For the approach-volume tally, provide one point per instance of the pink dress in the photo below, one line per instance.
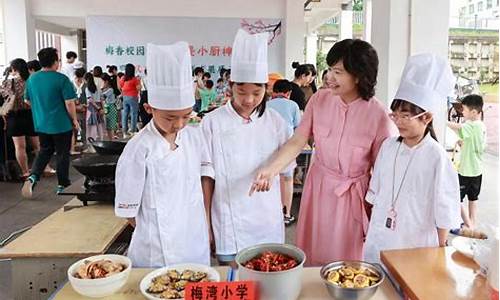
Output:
(332, 221)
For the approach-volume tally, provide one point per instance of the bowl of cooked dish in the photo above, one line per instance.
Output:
(100, 275)
(277, 269)
(353, 280)
(170, 282)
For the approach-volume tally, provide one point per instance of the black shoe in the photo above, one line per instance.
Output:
(289, 220)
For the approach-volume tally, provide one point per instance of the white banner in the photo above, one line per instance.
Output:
(121, 40)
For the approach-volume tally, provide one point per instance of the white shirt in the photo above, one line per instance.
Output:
(161, 189)
(68, 70)
(238, 148)
(429, 197)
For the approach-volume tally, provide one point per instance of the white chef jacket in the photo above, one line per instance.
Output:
(429, 197)
(238, 148)
(161, 188)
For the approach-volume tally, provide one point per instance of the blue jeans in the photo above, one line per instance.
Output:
(130, 106)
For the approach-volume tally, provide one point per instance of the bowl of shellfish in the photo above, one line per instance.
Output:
(100, 275)
(353, 280)
(170, 282)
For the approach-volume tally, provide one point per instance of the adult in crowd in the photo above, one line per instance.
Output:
(310, 88)
(51, 96)
(19, 122)
(303, 76)
(348, 125)
(34, 66)
(68, 67)
(130, 86)
(97, 73)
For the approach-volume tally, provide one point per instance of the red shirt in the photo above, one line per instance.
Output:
(129, 87)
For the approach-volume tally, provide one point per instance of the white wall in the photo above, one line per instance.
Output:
(291, 11)
(180, 8)
(19, 30)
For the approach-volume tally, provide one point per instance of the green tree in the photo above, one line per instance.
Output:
(321, 62)
(357, 5)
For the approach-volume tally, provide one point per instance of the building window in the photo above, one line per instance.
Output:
(480, 6)
(489, 4)
(471, 9)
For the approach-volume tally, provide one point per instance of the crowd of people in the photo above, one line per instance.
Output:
(368, 188)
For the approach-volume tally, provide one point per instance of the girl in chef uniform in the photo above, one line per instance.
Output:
(414, 188)
(158, 177)
(241, 136)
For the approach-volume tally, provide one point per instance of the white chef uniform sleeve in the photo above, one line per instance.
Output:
(207, 166)
(446, 194)
(130, 181)
(374, 187)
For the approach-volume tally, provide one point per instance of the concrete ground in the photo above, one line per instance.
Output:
(16, 213)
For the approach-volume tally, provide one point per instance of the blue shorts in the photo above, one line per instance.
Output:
(226, 257)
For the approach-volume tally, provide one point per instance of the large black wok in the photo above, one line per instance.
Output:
(96, 166)
(108, 147)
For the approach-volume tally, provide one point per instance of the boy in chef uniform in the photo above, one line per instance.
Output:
(158, 177)
(241, 136)
(414, 188)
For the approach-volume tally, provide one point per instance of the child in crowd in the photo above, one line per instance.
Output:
(110, 107)
(81, 111)
(95, 109)
(158, 177)
(290, 112)
(208, 95)
(220, 89)
(242, 135)
(414, 188)
(472, 136)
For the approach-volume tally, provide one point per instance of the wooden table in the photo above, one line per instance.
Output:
(312, 287)
(41, 256)
(436, 273)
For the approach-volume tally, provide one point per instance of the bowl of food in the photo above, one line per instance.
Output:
(353, 280)
(170, 282)
(277, 269)
(100, 275)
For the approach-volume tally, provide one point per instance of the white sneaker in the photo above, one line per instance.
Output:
(27, 190)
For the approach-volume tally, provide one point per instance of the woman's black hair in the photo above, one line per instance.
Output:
(97, 71)
(197, 71)
(105, 77)
(89, 78)
(261, 108)
(21, 67)
(324, 74)
(34, 65)
(111, 68)
(80, 72)
(6, 73)
(414, 110)
(304, 69)
(129, 72)
(359, 59)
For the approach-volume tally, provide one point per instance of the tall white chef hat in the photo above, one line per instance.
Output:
(427, 80)
(170, 84)
(249, 57)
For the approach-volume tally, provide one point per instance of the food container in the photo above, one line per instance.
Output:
(338, 292)
(282, 285)
(100, 287)
(213, 275)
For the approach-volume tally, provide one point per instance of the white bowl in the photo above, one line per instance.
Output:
(213, 275)
(100, 287)
(283, 285)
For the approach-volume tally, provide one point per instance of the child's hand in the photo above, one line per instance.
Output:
(460, 143)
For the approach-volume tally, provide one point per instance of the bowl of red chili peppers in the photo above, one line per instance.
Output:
(277, 269)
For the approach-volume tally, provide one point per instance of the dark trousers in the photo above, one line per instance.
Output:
(61, 144)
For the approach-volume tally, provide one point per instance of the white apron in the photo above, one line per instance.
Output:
(161, 188)
(238, 149)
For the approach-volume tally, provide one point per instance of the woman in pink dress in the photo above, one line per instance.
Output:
(348, 126)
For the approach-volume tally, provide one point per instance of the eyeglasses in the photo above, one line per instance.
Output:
(405, 118)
